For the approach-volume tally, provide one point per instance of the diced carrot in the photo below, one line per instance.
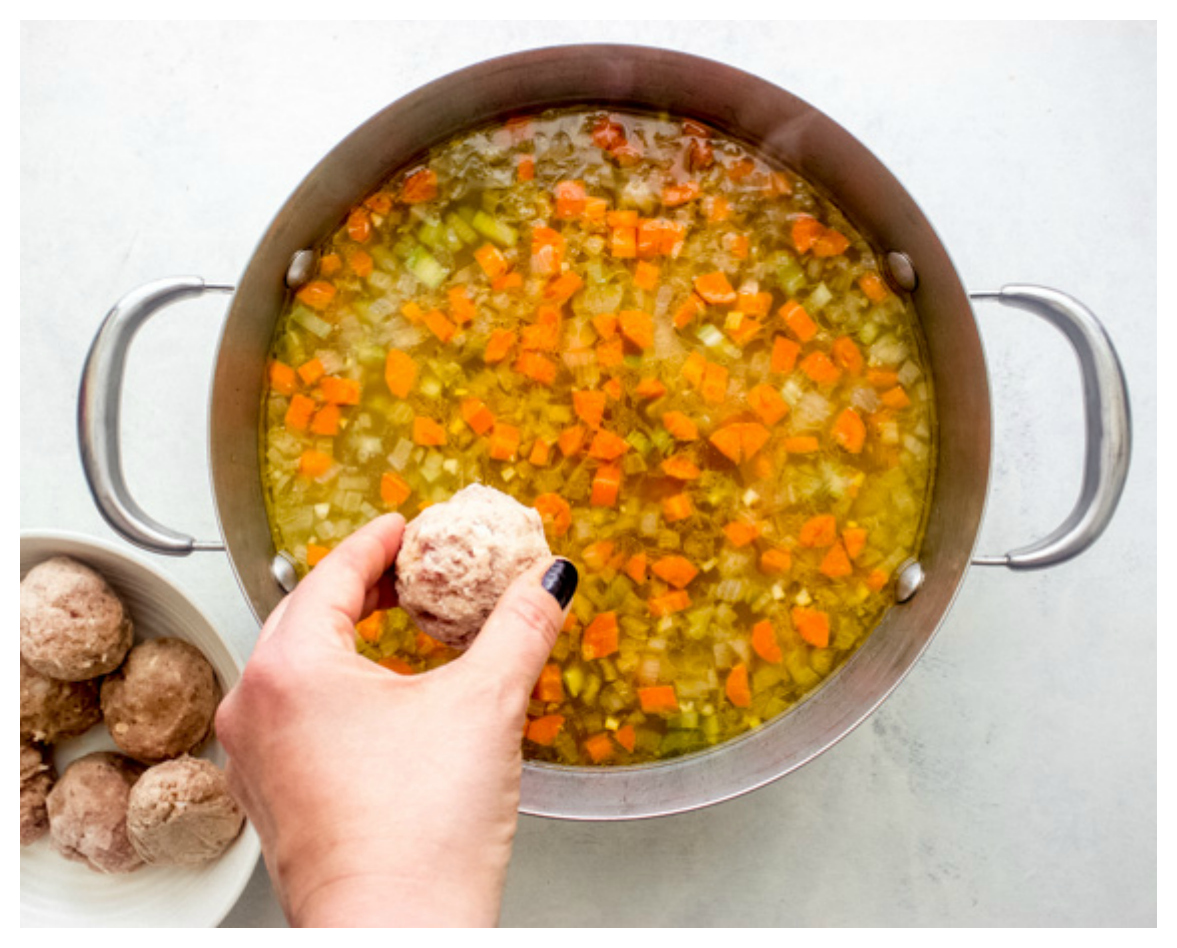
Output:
(895, 398)
(676, 508)
(882, 378)
(691, 307)
(599, 747)
(477, 415)
(541, 453)
(544, 333)
(745, 331)
(658, 699)
(806, 232)
(317, 294)
(608, 134)
(492, 261)
(622, 218)
(677, 194)
(330, 264)
(589, 406)
(606, 486)
(499, 346)
(428, 432)
(596, 555)
(359, 225)
(547, 251)
(545, 730)
(525, 167)
(873, 286)
(369, 629)
(831, 243)
(326, 421)
(571, 440)
(714, 385)
(299, 413)
(462, 308)
(605, 324)
(438, 324)
(394, 489)
(600, 637)
(854, 539)
(555, 511)
(849, 431)
(360, 262)
(313, 464)
(728, 442)
(764, 642)
(420, 186)
(715, 288)
(645, 275)
(737, 688)
(614, 389)
(340, 391)
(379, 203)
(650, 387)
(678, 571)
(801, 444)
(847, 355)
(570, 197)
(635, 568)
(767, 402)
(876, 579)
(504, 442)
(680, 426)
(564, 287)
(315, 554)
(536, 367)
(595, 208)
(425, 645)
(784, 354)
(775, 561)
(836, 563)
(283, 379)
(311, 371)
(550, 686)
(717, 208)
(626, 736)
(610, 352)
(819, 367)
(607, 446)
(413, 312)
(681, 468)
(694, 368)
(754, 304)
(812, 625)
(798, 321)
(395, 663)
(740, 169)
(400, 372)
(819, 531)
(637, 327)
(623, 242)
(571, 622)
(507, 281)
(740, 533)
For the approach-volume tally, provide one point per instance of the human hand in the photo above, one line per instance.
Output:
(383, 799)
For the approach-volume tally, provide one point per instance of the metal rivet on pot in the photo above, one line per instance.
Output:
(911, 578)
(901, 271)
(301, 269)
(282, 569)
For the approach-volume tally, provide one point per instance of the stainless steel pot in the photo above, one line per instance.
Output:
(787, 129)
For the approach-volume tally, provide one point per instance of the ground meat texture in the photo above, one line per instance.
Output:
(37, 777)
(161, 702)
(72, 624)
(52, 710)
(88, 812)
(181, 813)
(458, 557)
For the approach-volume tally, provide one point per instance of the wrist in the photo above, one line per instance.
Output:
(381, 900)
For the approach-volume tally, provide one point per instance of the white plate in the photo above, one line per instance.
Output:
(57, 892)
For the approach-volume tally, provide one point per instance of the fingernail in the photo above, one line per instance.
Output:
(560, 580)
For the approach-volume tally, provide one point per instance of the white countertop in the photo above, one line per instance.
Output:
(1011, 780)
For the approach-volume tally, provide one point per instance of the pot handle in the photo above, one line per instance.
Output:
(1108, 425)
(99, 409)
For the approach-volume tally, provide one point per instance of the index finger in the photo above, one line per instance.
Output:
(332, 596)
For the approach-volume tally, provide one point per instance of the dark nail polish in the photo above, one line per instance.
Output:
(560, 580)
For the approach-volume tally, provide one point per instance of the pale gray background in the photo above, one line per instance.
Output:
(1012, 778)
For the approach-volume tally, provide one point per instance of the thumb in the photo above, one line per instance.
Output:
(518, 637)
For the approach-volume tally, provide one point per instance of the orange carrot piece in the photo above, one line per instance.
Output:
(606, 486)
(694, 368)
(550, 686)
(315, 554)
(637, 327)
(564, 287)
(681, 468)
(753, 437)
(728, 442)
(645, 275)
(626, 736)
(798, 321)
(737, 688)
(610, 352)
(747, 330)
(596, 555)
(876, 579)
(330, 264)
(714, 288)
(775, 561)
(360, 262)
(714, 385)
(635, 568)
(717, 208)
(508, 281)
(462, 308)
(359, 225)
(895, 398)
(764, 642)
(413, 312)
(317, 294)
(555, 511)
(379, 203)
(882, 378)
(545, 730)
(369, 629)
(589, 406)
(420, 187)
(541, 453)
(504, 442)
(299, 413)
(607, 446)
(544, 333)
(283, 379)
(492, 261)
(677, 194)
(740, 533)
(339, 391)
(873, 286)
(313, 464)
(650, 387)
(691, 307)
(836, 563)
(854, 539)
(819, 531)
(614, 388)
(622, 218)
(536, 367)
(311, 371)
(819, 368)
(570, 199)
(801, 444)
(525, 167)
(605, 324)
(806, 232)
(658, 699)
(677, 571)
(767, 402)
(437, 323)
(394, 663)
(326, 421)
(599, 747)
(477, 415)
(784, 354)
(849, 431)
(676, 508)
(847, 355)
(680, 426)
(754, 304)
(571, 440)
(400, 372)
(499, 346)
(623, 242)
(394, 489)
(736, 244)
(831, 243)
(812, 625)
(428, 432)
(600, 637)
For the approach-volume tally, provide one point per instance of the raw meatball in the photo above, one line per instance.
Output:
(88, 812)
(72, 625)
(37, 777)
(161, 702)
(52, 710)
(458, 557)
(180, 813)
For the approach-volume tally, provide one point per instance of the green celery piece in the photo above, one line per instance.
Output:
(426, 268)
(462, 228)
(493, 229)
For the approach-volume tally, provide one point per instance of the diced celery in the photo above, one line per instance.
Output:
(426, 268)
(309, 321)
(790, 275)
(494, 229)
(461, 228)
